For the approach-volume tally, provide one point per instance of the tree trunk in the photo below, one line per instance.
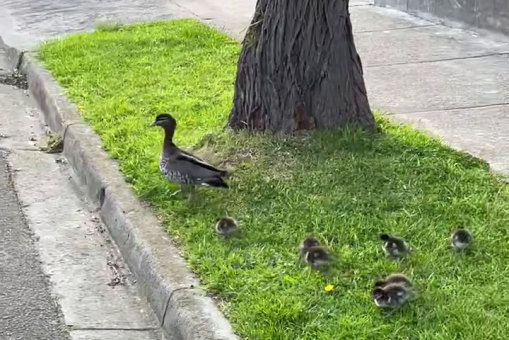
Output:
(299, 69)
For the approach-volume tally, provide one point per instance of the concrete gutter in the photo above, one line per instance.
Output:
(162, 275)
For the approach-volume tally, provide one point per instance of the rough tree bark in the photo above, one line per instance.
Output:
(299, 69)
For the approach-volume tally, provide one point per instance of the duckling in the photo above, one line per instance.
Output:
(307, 243)
(182, 167)
(226, 226)
(394, 247)
(318, 257)
(397, 278)
(392, 295)
(461, 239)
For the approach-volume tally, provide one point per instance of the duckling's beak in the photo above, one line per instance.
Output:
(153, 124)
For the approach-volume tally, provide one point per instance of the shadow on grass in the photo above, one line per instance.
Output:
(345, 187)
(341, 168)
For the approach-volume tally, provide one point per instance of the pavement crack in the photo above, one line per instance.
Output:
(370, 4)
(452, 108)
(27, 149)
(440, 60)
(20, 60)
(136, 329)
(127, 239)
(66, 127)
(396, 29)
(167, 304)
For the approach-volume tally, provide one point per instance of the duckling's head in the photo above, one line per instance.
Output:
(309, 242)
(461, 239)
(226, 225)
(317, 256)
(165, 120)
(390, 296)
(385, 237)
(379, 295)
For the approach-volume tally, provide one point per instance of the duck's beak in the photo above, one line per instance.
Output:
(153, 124)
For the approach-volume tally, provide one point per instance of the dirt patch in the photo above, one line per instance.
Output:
(118, 277)
(16, 79)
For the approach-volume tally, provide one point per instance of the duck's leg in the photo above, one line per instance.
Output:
(175, 192)
(193, 195)
(183, 189)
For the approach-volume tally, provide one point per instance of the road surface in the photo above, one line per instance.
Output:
(27, 309)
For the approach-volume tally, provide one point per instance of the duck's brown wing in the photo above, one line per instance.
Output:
(197, 165)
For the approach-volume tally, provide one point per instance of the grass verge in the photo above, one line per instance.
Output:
(343, 186)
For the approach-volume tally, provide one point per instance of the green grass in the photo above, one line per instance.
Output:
(343, 186)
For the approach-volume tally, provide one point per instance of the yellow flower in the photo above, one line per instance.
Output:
(329, 288)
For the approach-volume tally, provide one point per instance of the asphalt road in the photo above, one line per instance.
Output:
(27, 309)
(25, 23)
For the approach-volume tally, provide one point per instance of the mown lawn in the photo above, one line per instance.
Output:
(343, 186)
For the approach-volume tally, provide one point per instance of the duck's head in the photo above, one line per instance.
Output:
(165, 121)
(385, 237)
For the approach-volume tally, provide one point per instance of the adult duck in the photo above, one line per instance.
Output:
(181, 167)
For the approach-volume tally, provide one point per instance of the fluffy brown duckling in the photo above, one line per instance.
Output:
(307, 243)
(226, 226)
(318, 257)
(461, 239)
(394, 247)
(312, 253)
(397, 278)
(392, 295)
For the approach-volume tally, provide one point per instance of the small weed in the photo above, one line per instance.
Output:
(109, 26)
(55, 144)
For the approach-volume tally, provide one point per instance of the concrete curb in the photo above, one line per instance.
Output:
(184, 311)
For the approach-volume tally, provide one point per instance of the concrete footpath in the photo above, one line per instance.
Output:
(450, 82)
(61, 277)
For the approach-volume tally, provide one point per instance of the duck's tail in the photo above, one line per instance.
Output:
(216, 181)
(224, 174)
